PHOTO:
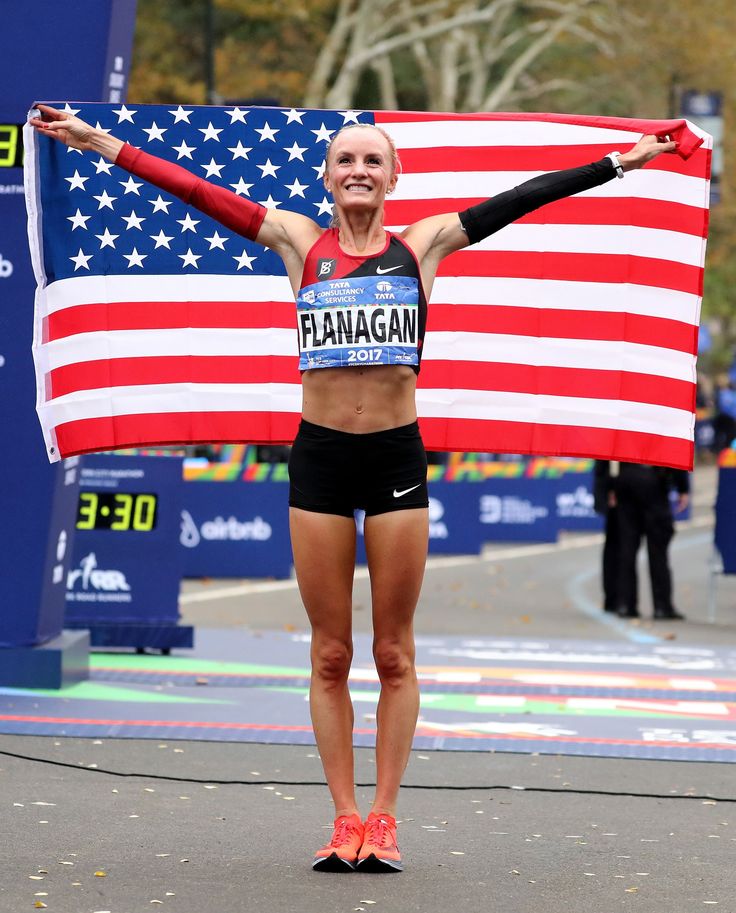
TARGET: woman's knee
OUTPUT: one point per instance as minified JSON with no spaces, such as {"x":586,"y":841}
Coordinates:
{"x":331,"y":660}
{"x":394,"y":661}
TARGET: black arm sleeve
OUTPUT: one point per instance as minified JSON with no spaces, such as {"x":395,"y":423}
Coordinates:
{"x":483,"y":219}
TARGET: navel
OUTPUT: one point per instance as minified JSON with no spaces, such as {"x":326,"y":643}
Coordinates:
{"x":359,"y":408}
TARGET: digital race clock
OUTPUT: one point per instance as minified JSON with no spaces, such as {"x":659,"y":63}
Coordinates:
{"x":117,"y":510}
{"x":11,"y":145}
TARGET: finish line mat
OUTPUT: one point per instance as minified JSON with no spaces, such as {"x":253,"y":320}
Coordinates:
{"x":554,"y":697}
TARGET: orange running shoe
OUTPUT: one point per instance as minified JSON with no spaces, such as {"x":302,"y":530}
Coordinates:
{"x":379,"y":852}
{"x":341,"y":853}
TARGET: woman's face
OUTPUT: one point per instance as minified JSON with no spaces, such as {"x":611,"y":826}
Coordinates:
{"x":360,"y":169}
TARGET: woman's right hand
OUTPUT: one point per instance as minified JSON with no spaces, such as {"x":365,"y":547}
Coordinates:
{"x":68,"y":129}
{"x":74,"y":132}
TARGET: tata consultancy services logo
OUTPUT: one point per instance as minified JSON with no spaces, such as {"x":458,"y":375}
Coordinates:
{"x":222,"y":530}
{"x":88,"y":583}
{"x":6,"y":268}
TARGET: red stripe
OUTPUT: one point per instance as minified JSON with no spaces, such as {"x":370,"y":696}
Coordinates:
{"x":565,"y":324}
{"x":549,"y":381}
{"x":116,"y":432}
{"x":687,"y":141}
{"x":173,"y":369}
{"x":534,"y":158}
{"x":157,"y":315}
{"x":555,"y":440}
{"x":439,"y":434}
{"x":609,"y":268}
{"x":691,"y":220}
{"x":462,"y":375}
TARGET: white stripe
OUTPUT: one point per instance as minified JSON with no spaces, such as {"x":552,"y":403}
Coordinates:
{"x":659,"y":244}
{"x":104,"y":345}
{"x":504,"y":291}
{"x":178,"y":398}
{"x":558,"y":294}
{"x":432,"y":134}
{"x":542,"y":409}
{"x":647,"y":185}
{"x":457,"y":404}
{"x":206,"y":287}
{"x":590,"y":354}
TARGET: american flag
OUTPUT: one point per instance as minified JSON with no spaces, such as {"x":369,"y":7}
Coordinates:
{"x":571,"y":332}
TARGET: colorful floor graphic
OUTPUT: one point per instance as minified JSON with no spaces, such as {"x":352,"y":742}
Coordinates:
{"x":554,"y":697}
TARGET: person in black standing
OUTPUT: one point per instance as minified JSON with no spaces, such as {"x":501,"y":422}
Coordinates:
{"x":604,"y":503}
{"x":641,"y":498}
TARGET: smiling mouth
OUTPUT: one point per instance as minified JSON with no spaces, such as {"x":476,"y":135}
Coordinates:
{"x":358,"y":188}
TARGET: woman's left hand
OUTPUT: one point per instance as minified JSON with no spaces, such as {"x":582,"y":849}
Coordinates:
{"x":648,"y":148}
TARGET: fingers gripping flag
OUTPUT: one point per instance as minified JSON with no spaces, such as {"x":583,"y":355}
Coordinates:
{"x":572,"y":331}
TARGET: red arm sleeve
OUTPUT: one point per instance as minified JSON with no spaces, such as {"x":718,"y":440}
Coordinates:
{"x":233,"y":211}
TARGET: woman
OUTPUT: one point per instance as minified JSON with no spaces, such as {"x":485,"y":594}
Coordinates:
{"x":361,"y":297}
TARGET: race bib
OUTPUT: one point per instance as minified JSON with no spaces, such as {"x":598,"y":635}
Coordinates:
{"x":368,"y":320}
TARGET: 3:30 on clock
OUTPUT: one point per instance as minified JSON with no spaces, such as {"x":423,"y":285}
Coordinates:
{"x":117,"y":510}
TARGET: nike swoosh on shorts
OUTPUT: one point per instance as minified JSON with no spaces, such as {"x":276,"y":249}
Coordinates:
{"x":400,"y":494}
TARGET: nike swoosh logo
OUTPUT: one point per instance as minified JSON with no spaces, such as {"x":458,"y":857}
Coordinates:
{"x":388,"y":269}
{"x":400,"y":494}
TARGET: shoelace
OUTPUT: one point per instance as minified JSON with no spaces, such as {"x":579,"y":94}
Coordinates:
{"x":378,"y":832}
{"x":343,"y":832}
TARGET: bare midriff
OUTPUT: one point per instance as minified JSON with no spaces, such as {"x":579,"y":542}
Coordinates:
{"x":360,"y":400}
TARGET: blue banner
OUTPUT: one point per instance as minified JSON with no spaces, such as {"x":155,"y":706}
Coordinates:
{"x":725,"y":532}
{"x":518,"y":510}
{"x":235,"y":530}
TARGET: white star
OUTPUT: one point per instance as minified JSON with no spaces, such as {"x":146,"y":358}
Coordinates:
{"x":212,"y":168}
{"x":293,"y":115}
{"x":297,"y":189}
{"x":217,"y":241}
{"x":350,"y":117}
{"x":77,"y":181}
{"x":190,"y":259}
{"x":134,"y":258}
{"x":124,"y":114}
{"x":69,"y":110}
{"x":211,"y":132}
{"x":184,"y":151}
{"x":323,"y":208}
{"x":98,"y":126}
{"x":78,"y":220}
{"x":102,"y":165}
{"x":320,"y":169}
{"x":130,"y":185}
{"x":322,"y":134}
{"x":107,"y":239}
{"x":268,"y":169}
{"x":296,"y":152}
{"x":244,"y":260}
{"x":188,"y":223}
{"x":267,"y":132}
{"x":161,"y":205}
{"x":270,"y":203}
{"x":181,"y":114}
{"x":72,"y":149}
{"x":236,"y":115}
{"x":133,"y":220}
{"x":80,"y":261}
{"x":155,"y":132}
{"x":162,"y":240}
{"x":241,"y":188}
{"x":105,"y":200}
{"x":240,"y":151}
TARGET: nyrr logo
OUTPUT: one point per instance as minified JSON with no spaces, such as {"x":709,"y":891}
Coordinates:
{"x":6,"y":268}
{"x":96,"y":584}
{"x":325,"y":268}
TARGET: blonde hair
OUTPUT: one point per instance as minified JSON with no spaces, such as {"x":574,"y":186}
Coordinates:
{"x":395,"y":160}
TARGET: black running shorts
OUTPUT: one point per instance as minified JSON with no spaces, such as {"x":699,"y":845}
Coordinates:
{"x":335,"y":472}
